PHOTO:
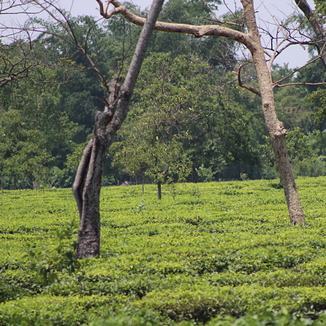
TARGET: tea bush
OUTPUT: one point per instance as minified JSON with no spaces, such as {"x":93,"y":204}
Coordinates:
{"x":214,"y":253}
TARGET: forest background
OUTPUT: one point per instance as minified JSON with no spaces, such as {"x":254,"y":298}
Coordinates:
{"x":189,"y":120}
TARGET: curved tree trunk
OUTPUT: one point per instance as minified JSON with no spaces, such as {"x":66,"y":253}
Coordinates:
{"x":89,"y":230}
{"x":87,"y":186}
{"x":287,"y":180}
{"x":277,"y":134}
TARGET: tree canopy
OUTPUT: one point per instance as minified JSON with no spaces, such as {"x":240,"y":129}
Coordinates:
{"x":186,"y":103}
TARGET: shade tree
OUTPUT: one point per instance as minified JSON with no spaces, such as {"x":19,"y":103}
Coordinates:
{"x":143,"y":156}
{"x":87,"y":183}
{"x":251,"y":39}
{"x":178,"y":105}
{"x":116,"y":98}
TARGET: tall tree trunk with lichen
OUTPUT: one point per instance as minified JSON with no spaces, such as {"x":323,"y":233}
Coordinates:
{"x":87,"y":184}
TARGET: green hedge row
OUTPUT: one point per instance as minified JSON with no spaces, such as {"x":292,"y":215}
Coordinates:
{"x":214,"y":254}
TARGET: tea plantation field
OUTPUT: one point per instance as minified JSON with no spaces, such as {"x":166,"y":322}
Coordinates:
{"x":206,"y":254}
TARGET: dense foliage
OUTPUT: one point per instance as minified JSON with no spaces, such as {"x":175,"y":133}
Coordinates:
{"x":188,"y":119}
{"x":212,"y":253}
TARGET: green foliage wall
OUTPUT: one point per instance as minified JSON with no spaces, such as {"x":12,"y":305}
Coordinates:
{"x":208,"y":126}
{"x":182,"y":106}
{"x":35,"y":133}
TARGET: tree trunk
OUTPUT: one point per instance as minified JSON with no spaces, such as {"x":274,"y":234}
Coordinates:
{"x":87,"y":184}
{"x":287,"y":180}
{"x":276,"y":130}
{"x":159,"y":190}
{"x":86,"y":189}
{"x":89,"y":231}
{"x":277,"y":134}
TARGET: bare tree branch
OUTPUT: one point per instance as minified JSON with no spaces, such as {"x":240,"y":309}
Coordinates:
{"x":196,"y":30}
{"x":298,"y":84}
{"x":317,"y":25}
{"x":244,"y":85}
{"x":277,"y":82}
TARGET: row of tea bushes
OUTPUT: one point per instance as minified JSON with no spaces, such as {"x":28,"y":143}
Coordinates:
{"x":213,"y":253}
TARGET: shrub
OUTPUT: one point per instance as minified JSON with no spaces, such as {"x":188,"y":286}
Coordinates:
{"x":55,"y":311}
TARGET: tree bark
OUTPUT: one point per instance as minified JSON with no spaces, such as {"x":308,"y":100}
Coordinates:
{"x":143,"y":186}
{"x":276,"y":130}
{"x":87,"y":184}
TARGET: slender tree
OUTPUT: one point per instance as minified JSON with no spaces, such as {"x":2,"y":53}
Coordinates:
{"x":87,"y":183}
{"x":252,"y":40}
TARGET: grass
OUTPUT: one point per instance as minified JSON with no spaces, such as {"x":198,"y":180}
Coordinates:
{"x":213,"y":253}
